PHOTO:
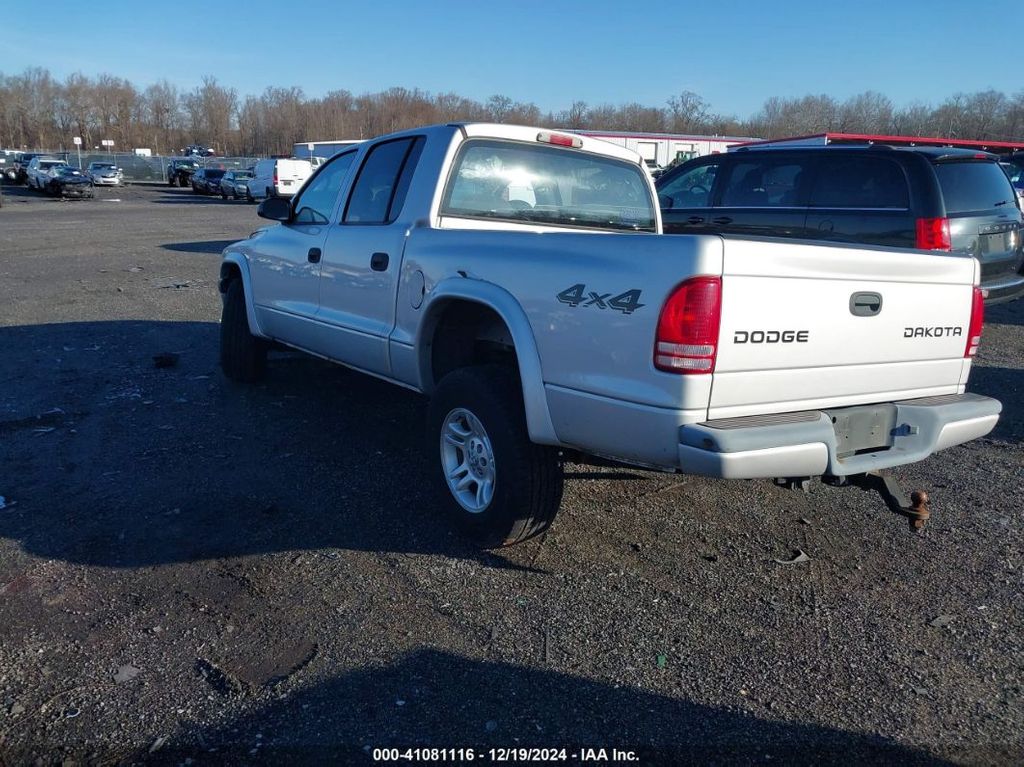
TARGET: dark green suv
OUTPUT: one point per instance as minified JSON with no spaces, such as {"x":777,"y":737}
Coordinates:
{"x":907,"y":197}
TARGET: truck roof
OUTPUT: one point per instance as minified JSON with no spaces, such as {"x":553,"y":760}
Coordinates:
{"x":525,"y":133}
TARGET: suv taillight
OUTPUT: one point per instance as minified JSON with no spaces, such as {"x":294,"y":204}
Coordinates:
{"x":687,"y":339}
{"x":977,"y":320}
{"x":933,"y":234}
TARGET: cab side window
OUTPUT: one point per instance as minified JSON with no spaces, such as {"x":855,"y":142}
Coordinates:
{"x":690,"y":189}
{"x":379,"y":191}
{"x":316,"y":201}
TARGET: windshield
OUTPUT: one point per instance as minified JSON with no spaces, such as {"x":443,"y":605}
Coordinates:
{"x":47,"y":164}
{"x":971,"y":185}
{"x":540,"y":184}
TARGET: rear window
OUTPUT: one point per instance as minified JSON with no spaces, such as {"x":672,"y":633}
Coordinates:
{"x":510,"y":181}
{"x":970,"y":186}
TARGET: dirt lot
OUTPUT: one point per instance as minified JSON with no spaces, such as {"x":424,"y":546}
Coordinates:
{"x":193,"y":570}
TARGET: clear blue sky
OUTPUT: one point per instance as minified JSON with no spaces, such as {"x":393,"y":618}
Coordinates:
{"x":735,"y":54}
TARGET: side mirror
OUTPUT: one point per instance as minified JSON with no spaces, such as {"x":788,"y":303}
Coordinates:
{"x":276,"y":209}
{"x":665,"y":201}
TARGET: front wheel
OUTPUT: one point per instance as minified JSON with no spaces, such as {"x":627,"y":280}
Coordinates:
{"x":499,"y":487}
{"x":243,"y":356}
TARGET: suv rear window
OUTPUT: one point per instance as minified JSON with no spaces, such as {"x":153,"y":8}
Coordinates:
{"x":972,"y":185}
{"x":511,"y":181}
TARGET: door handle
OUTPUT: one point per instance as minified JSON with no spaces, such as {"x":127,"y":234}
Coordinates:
{"x":722,"y":220}
{"x":379,"y":262}
{"x":695,"y":220}
{"x":314,"y":255}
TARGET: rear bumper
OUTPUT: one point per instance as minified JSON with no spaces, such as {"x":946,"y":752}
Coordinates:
{"x":805,"y":444}
{"x":1006,"y":289}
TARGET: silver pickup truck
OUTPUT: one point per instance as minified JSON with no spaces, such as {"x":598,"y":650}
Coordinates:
{"x":518,"y":277}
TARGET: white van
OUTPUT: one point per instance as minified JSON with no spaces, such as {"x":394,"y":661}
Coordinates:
{"x":278,"y":178}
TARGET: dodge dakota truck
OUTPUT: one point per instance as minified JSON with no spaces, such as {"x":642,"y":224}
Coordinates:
{"x":518,"y":277}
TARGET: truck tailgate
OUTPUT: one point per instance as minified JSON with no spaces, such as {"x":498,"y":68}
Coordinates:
{"x":805,"y":326}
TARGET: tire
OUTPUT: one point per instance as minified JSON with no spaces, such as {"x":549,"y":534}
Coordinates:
{"x":269,"y":193}
{"x":243,"y":356}
{"x":249,"y":197}
{"x":223,"y":194}
{"x":525,"y":479}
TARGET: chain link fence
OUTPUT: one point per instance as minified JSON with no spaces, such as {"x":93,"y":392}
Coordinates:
{"x":138,"y":169}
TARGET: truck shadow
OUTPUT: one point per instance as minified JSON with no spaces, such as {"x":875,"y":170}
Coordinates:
{"x":114,"y":461}
{"x":435,"y":699}
{"x":199,"y":246}
{"x":1006,"y":314}
{"x":1007,"y":386}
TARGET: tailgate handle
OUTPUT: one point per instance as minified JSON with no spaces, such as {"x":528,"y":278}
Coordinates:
{"x":865,"y":304}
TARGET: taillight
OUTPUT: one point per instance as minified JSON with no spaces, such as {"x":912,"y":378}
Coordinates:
{"x":687,"y":339}
{"x":933,"y":234}
{"x":977,"y":319}
{"x":559,"y":139}
{"x":275,"y":176}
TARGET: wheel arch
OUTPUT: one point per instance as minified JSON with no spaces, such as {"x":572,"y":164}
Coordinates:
{"x":235,"y":267}
{"x":453,"y":292}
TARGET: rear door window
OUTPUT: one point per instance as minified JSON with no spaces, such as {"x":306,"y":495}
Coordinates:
{"x":973,"y":185}
{"x":380,"y":189}
{"x":859,"y":182}
{"x":764,"y":182}
{"x":538,"y":184}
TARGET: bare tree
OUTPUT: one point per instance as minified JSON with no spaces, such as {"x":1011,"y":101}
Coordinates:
{"x":688,"y":113}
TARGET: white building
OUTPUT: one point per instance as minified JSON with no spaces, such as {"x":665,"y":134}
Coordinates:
{"x":661,"y":149}
{"x":305,"y":150}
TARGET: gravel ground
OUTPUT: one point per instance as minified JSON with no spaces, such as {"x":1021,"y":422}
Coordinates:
{"x":190,"y":570}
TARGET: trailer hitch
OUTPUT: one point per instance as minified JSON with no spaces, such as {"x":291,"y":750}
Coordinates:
{"x":915,"y":509}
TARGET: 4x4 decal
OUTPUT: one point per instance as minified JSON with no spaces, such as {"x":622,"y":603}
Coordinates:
{"x":578,"y":295}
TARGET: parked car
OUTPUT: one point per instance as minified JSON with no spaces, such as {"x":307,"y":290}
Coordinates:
{"x":929,"y":198}
{"x":179,"y":172}
{"x":275,"y":177}
{"x":21,"y":167}
{"x":70,"y":182}
{"x":1014,"y":167}
{"x":197,"y":150}
{"x":105,"y":174}
{"x":517,"y":277}
{"x":235,"y":184}
{"x":207,"y":180}
{"x":9,"y":165}
{"x":41,"y":170}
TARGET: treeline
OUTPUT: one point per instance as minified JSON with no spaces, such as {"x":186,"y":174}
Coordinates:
{"x":39,"y":111}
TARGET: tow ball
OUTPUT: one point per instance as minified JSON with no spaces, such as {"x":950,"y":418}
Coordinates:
{"x":915,"y":509}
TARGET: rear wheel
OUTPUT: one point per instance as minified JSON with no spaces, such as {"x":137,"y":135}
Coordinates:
{"x":243,"y":356}
{"x":499,"y":487}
